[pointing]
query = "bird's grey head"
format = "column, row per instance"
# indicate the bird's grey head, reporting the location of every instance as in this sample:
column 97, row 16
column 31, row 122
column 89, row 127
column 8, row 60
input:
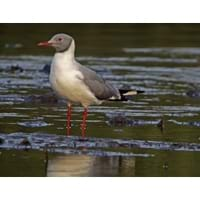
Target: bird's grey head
column 61, row 42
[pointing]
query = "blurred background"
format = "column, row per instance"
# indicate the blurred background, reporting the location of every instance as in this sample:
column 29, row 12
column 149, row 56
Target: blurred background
column 99, row 39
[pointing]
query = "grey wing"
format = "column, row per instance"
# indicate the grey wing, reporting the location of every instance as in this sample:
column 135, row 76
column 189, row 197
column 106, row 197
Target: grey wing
column 97, row 85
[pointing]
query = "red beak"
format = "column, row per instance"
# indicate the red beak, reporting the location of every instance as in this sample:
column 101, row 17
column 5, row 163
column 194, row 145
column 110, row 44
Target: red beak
column 45, row 44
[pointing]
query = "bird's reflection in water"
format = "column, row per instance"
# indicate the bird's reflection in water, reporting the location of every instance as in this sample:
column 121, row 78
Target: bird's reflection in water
column 81, row 165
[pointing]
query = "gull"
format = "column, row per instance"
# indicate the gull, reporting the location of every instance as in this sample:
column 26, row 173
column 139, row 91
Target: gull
column 77, row 83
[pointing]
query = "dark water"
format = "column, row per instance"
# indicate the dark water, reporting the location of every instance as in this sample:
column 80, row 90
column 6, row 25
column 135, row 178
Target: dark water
column 161, row 59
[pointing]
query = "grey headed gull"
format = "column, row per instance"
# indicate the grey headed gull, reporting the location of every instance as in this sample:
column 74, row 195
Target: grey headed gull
column 77, row 83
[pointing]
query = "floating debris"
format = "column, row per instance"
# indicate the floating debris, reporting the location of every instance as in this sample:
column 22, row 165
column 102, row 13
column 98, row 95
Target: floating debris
column 25, row 142
column 15, row 69
column 193, row 93
column 118, row 120
column 46, row 68
column 161, row 125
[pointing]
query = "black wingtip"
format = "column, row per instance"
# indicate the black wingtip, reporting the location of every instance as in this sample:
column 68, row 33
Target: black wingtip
column 140, row 91
column 131, row 92
column 127, row 94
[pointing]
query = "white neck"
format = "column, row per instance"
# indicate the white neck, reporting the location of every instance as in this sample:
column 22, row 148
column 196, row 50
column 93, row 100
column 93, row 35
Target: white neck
column 65, row 59
column 69, row 53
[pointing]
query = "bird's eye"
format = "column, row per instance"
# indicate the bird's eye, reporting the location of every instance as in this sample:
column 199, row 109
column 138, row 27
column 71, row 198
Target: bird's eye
column 59, row 39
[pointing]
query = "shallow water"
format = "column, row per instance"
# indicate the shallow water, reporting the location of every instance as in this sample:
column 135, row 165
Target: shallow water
column 162, row 60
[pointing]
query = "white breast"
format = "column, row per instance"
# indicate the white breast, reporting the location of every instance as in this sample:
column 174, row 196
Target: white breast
column 65, row 79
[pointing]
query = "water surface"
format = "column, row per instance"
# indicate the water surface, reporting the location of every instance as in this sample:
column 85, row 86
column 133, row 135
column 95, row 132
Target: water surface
column 160, row 59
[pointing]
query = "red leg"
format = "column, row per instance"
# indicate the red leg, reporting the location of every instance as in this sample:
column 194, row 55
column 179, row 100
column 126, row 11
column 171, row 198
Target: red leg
column 69, row 110
column 83, row 125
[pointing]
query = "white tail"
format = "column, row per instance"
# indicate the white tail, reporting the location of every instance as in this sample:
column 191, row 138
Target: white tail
column 130, row 93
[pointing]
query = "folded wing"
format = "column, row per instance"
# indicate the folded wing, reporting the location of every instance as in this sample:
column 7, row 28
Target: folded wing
column 98, row 86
